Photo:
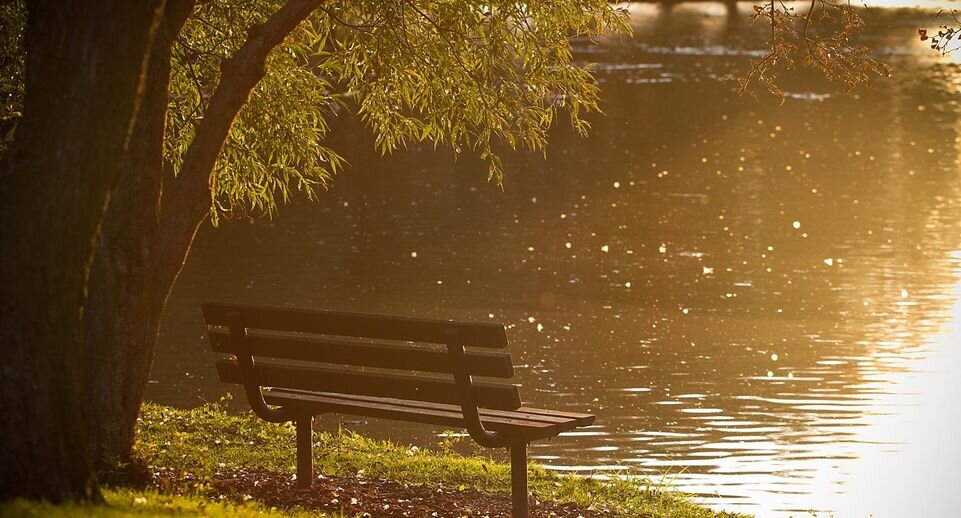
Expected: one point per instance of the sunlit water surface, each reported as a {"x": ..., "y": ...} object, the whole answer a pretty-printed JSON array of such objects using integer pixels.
[{"x": 760, "y": 301}]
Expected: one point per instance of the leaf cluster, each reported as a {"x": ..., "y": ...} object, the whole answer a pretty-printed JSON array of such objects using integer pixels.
[
  {"x": 822, "y": 38},
  {"x": 466, "y": 74},
  {"x": 275, "y": 145},
  {"x": 459, "y": 73},
  {"x": 945, "y": 41}
]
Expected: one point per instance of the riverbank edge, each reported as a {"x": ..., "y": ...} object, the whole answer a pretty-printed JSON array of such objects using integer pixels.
[{"x": 183, "y": 451}]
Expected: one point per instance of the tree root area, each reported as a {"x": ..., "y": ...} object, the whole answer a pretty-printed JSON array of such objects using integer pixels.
[{"x": 354, "y": 496}]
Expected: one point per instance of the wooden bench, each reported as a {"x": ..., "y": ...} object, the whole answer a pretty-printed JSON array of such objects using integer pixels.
[{"x": 298, "y": 363}]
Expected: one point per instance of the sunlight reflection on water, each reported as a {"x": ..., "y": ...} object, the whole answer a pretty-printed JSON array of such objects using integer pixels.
[{"x": 907, "y": 452}]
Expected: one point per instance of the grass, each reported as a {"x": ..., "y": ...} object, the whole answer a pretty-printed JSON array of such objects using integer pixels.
[
  {"x": 121, "y": 502},
  {"x": 190, "y": 446}
]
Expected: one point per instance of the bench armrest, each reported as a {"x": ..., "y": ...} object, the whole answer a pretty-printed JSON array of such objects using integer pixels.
[
  {"x": 468, "y": 404},
  {"x": 245, "y": 360}
]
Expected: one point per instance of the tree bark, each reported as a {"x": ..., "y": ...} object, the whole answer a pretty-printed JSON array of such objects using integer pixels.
[
  {"x": 85, "y": 75},
  {"x": 130, "y": 277}
]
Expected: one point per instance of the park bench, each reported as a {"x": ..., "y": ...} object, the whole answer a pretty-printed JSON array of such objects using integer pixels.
[{"x": 298, "y": 363}]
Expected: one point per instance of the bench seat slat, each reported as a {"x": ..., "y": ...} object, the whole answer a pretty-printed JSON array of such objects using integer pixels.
[
  {"x": 516, "y": 424},
  {"x": 555, "y": 413},
  {"x": 388, "y": 356},
  {"x": 525, "y": 413},
  {"x": 383, "y": 327},
  {"x": 503, "y": 396}
]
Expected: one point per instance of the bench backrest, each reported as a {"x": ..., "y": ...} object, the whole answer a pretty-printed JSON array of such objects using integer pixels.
[{"x": 334, "y": 352}]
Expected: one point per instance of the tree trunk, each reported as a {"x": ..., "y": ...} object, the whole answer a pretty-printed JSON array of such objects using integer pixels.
[
  {"x": 84, "y": 78},
  {"x": 132, "y": 273},
  {"x": 94, "y": 254},
  {"x": 150, "y": 225}
]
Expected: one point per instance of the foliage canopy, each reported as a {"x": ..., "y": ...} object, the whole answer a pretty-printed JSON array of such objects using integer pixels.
[{"x": 465, "y": 74}]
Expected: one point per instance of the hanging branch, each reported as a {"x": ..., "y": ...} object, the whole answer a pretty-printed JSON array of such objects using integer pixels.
[
  {"x": 822, "y": 38},
  {"x": 948, "y": 38}
]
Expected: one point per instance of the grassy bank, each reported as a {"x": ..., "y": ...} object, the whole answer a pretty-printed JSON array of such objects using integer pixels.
[
  {"x": 121, "y": 502},
  {"x": 193, "y": 455}
]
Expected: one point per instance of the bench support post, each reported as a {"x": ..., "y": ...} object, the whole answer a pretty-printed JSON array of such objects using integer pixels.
[
  {"x": 519, "y": 479},
  {"x": 305, "y": 464}
]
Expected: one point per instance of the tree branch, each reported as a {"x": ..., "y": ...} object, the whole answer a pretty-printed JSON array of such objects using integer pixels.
[
  {"x": 186, "y": 199},
  {"x": 191, "y": 194}
]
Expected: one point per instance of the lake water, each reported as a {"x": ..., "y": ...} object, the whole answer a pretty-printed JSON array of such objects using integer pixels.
[{"x": 760, "y": 301}]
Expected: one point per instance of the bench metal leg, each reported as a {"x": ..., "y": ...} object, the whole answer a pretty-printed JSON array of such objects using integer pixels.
[
  {"x": 305, "y": 463},
  {"x": 519, "y": 479}
]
